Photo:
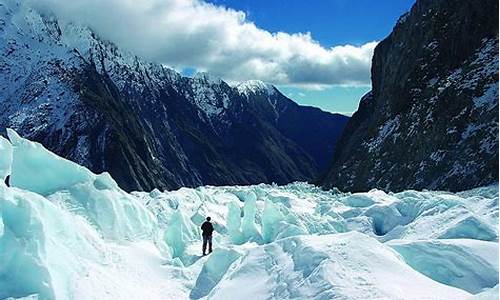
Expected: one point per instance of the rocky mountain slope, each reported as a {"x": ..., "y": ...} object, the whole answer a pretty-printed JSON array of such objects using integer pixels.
[
  {"x": 431, "y": 119},
  {"x": 88, "y": 101}
]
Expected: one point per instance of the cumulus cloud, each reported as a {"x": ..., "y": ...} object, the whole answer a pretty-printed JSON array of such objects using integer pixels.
[{"x": 196, "y": 34}]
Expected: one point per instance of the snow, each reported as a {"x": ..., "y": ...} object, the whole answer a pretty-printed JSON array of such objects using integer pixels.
[
  {"x": 66, "y": 233},
  {"x": 342, "y": 266},
  {"x": 488, "y": 98},
  {"x": 490, "y": 294},
  {"x": 384, "y": 131},
  {"x": 206, "y": 89},
  {"x": 213, "y": 270},
  {"x": 255, "y": 86},
  {"x": 469, "y": 264},
  {"x": 485, "y": 68}
]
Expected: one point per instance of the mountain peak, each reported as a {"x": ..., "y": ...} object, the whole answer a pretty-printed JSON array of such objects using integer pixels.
[{"x": 255, "y": 86}]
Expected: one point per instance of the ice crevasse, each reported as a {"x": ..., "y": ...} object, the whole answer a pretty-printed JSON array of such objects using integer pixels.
[{"x": 66, "y": 233}]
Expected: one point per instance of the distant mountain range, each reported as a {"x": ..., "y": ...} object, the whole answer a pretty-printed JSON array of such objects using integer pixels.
[
  {"x": 431, "y": 120},
  {"x": 90, "y": 102}
]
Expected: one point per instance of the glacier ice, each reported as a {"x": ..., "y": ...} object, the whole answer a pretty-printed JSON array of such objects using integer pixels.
[
  {"x": 42, "y": 171},
  {"x": 272, "y": 220},
  {"x": 174, "y": 235},
  {"x": 248, "y": 226},
  {"x": 42, "y": 245},
  {"x": 95, "y": 197},
  {"x": 234, "y": 224},
  {"x": 66, "y": 233},
  {"x": 5, "y": 158}
]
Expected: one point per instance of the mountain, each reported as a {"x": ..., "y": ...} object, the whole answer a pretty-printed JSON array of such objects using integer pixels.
[
  {"x": 431, "y": 119},
  {"x": 87, "y": 100},
  {"x": 312, "y": 129}
]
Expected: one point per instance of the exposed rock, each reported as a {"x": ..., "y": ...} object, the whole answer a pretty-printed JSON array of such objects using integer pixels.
[{"x": 431, "y": 120}]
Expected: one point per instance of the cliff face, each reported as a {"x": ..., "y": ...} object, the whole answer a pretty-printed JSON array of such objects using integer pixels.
[
  {"x": 431, "y": 119},
  {"x": 88, "y": 101}
]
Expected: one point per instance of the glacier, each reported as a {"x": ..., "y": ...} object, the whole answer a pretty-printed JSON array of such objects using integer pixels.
[{"x": 66, "y": 233}]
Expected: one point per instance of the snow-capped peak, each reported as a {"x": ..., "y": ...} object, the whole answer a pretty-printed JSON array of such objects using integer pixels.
[{"x": 255, "y": 86}]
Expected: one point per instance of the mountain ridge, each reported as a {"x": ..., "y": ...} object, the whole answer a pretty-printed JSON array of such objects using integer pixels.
[{"x": 107, "y": 109}]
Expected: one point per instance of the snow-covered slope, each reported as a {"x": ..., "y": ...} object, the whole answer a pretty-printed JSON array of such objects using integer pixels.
[
  {"x": 466, "y": 263},
  {"x": 254, "y": 87},
  {"x": 340, "y": 266},
  {"x": 107, "y": 109},
  {"x": 66, "y": 233}
]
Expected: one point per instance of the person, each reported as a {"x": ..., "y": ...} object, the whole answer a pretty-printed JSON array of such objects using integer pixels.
[{"x": 207, "y": 229}]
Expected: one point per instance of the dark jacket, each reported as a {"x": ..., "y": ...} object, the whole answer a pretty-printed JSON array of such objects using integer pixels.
[{"x": 207, "y": 228}]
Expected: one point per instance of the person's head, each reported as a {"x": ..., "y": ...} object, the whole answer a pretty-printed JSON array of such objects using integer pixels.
[{"x": 208, "y": 219}]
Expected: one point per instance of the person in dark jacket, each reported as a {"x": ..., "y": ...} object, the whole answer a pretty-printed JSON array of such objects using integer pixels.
[{"x": 207, "y": 229}]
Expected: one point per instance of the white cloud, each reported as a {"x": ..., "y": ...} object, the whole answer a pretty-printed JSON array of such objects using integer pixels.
[{"x": 192, "y": 33}]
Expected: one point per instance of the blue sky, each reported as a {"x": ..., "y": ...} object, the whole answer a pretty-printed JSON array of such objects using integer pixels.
[
  {"x": 331, "y": 23},
  {"x": 341, "y": 99}
]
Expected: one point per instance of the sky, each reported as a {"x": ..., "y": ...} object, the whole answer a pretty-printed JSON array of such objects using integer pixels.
[
  {"x": 318, "y": 52},
  {"x": 331, "y": 23}
]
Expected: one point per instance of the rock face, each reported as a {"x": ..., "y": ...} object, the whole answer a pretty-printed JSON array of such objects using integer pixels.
[
  {"x": 88, "y": 101},
  {"x": 431, "y": 119}
]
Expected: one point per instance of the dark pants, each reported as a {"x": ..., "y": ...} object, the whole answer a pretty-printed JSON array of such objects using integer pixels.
[{"x": 207, "y": 239}]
